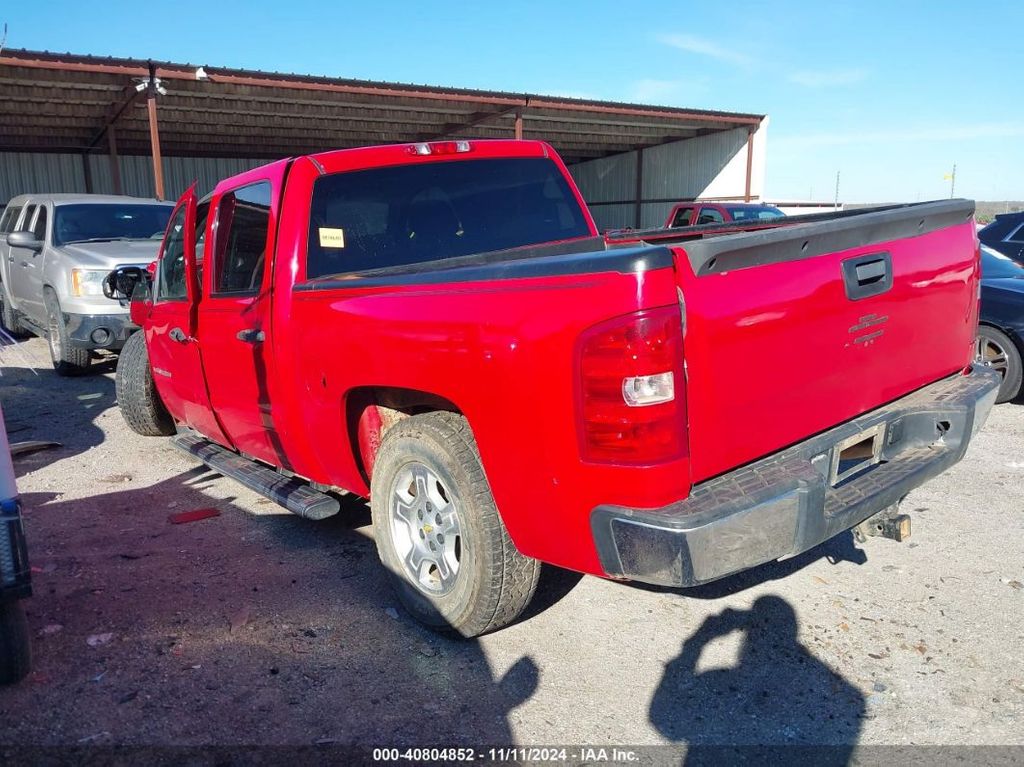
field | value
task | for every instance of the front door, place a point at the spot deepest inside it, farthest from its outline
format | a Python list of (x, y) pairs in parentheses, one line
[(171, 325), (234, 316)]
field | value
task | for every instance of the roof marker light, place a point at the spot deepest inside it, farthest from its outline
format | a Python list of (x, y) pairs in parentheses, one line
[(440, 147)]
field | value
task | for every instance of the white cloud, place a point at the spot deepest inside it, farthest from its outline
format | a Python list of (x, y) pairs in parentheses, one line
[(968, 132), (827, 78), (704, 47)]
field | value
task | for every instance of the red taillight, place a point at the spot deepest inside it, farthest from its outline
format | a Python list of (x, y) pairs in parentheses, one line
[(439, 147), (631, 392)]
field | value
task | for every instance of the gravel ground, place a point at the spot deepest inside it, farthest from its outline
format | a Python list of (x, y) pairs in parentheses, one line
[(258, 627)]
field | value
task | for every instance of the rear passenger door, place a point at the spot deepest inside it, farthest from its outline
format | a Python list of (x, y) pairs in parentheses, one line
[(22, 261), (234, 317), (11, 215)]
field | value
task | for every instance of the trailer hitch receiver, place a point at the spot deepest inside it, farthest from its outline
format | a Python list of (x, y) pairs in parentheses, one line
[(888, 523)]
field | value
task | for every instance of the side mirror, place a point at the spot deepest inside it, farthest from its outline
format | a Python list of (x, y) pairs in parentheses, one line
[(121, 283), (24, 240)]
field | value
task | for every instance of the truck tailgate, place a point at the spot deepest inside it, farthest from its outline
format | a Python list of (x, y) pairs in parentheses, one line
[(793, 330)]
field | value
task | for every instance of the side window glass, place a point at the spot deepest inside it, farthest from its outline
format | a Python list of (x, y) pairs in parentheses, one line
[(5, 219), (12, 220), (26, 220), (171, 285), (710, 216), (1017, 235), (683, 217), (40, 228), (240, 257)]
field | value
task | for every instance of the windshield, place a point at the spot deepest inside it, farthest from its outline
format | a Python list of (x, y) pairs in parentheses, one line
[(759, 212), (417, 213), (97, 222), (996, 266)]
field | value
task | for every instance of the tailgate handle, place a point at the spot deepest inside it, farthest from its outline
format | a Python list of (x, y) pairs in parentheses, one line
[(865, 276)]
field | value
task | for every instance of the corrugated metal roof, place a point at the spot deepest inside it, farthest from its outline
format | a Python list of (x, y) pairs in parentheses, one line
[(66, 102)]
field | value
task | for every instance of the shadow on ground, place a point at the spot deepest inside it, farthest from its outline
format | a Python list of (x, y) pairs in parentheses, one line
[(225, 631), (40, 405), (778, 693)]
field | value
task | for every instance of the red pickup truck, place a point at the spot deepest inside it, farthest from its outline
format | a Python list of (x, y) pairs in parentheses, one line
[(439, 327)]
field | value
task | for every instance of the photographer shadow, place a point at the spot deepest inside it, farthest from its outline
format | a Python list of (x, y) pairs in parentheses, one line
[(777, 695)]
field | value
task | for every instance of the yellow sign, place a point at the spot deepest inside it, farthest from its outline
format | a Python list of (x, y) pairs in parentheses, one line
[(332, 238)]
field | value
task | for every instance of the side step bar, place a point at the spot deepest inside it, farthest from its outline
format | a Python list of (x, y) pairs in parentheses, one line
[(291, 492)]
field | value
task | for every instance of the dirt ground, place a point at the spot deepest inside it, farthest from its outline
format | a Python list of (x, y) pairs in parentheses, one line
[(258, 627)]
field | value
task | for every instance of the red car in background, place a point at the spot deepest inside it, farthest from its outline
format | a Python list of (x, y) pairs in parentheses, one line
[(695, 213)]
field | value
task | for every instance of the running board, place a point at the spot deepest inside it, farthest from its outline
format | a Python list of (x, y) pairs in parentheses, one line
[(291, 492)]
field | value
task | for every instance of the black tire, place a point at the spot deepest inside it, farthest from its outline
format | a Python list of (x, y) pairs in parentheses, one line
[(140, 402), (996, 349), (8, 317), (15, 643), (67, 360), (494, 582)]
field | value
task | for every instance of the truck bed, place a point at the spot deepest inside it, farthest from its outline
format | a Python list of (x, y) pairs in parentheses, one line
[(781, 339)]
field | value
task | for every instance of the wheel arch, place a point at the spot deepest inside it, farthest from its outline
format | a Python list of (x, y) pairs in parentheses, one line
[(371, 410)]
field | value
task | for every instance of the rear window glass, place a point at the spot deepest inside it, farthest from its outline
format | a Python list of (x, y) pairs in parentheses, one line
[(413, 214), (761, 214)]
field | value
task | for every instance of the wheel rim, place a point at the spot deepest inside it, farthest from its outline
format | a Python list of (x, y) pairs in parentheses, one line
[(991, 354), (56, 345), (426, 529)]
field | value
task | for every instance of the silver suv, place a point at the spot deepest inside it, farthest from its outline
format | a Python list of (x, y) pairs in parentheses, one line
[(55, 251)]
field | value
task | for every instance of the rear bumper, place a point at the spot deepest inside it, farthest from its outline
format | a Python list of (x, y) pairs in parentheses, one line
[(786, 503), (99, 331)]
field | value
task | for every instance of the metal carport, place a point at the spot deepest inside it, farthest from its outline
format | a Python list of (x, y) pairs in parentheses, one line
[(104, 110)]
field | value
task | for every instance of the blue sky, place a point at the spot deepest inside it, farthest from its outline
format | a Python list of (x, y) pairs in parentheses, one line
[(890, 94)]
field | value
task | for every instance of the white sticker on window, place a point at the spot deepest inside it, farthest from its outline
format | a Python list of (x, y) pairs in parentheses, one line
[(331, 238)]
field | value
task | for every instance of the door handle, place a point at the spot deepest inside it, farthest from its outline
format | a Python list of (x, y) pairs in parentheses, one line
[(251, 336), (177, 334), (866, 276)]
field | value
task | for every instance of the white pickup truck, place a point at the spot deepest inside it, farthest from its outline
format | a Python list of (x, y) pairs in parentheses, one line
[(55, 251)]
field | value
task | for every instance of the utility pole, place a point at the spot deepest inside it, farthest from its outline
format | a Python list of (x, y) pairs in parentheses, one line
[(836, 205), (952, 182)]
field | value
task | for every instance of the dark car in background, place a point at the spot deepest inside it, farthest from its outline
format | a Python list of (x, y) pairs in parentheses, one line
[(1001, 329), (1006, 235)]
